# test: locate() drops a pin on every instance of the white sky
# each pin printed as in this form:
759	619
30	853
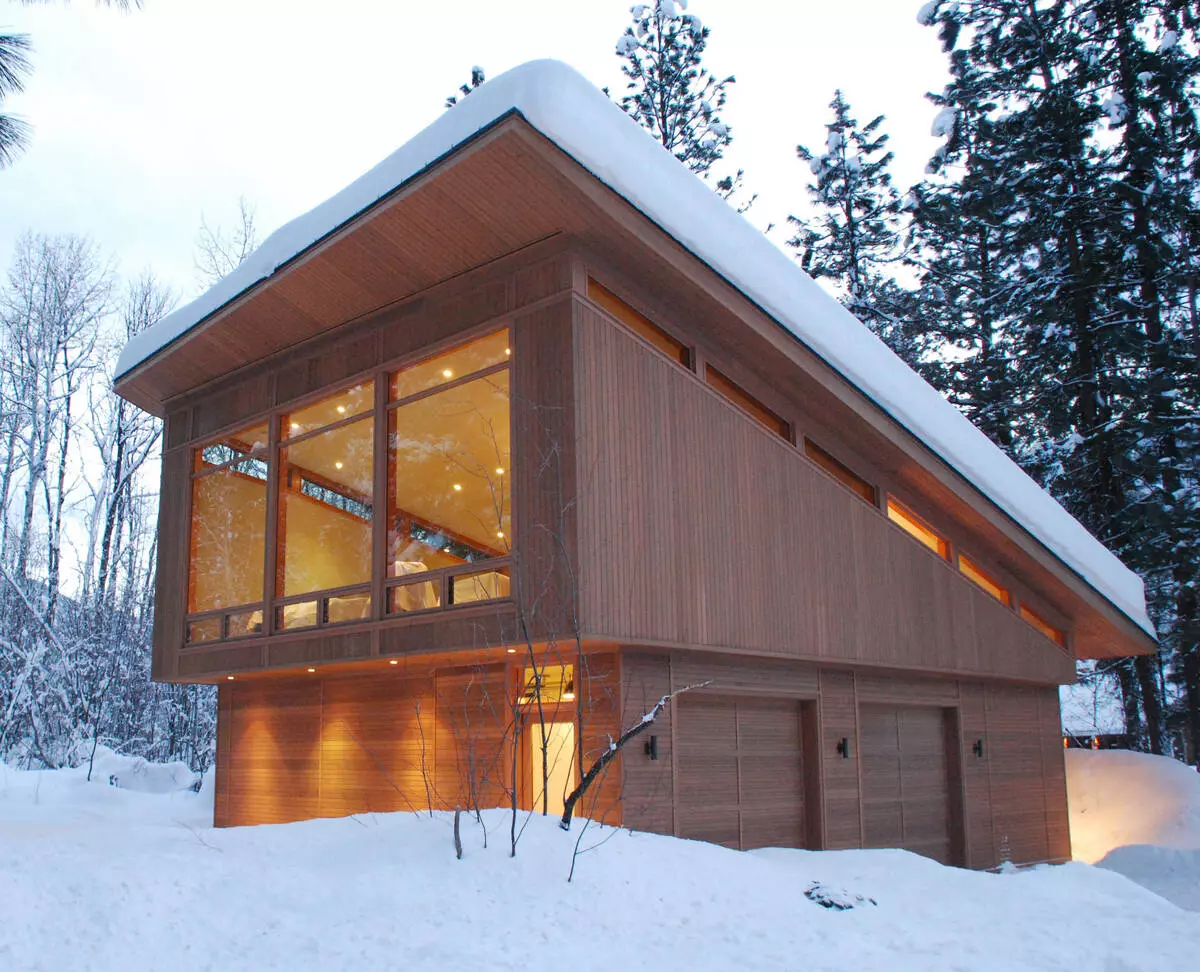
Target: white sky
143	122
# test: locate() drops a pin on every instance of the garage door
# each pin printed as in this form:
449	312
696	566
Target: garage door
740	774
906	792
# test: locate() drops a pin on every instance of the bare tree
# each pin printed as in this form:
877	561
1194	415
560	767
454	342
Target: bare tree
219	253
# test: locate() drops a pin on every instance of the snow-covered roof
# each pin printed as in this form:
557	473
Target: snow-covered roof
584	123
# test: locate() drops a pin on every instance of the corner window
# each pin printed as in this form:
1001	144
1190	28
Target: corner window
227	546
917	528
981	578
839	471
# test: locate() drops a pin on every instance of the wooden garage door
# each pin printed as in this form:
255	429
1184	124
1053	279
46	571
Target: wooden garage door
905	783
740	771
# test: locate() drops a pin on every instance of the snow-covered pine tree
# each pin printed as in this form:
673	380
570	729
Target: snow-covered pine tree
1087	151
854	237
670	92
477	79
14	66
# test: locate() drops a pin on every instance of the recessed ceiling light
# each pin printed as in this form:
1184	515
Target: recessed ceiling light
447	373
500	534
393	662
337	465
499	470
342	409
512	651
312	670
458	487
295	426
508	350
229	678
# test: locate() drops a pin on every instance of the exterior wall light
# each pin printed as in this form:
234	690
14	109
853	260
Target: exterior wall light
651	747
977	749
843	748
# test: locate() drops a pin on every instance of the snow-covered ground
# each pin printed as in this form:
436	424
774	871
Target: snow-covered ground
96	877
1138	815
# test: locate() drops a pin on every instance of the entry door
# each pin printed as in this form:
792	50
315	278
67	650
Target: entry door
905	780
559	757
740	779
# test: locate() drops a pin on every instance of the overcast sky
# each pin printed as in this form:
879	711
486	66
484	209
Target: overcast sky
145	121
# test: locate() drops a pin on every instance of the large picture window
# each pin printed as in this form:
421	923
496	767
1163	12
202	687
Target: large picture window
449	493
447	502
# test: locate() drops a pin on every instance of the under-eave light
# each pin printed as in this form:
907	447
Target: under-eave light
393	662
311	670
229	678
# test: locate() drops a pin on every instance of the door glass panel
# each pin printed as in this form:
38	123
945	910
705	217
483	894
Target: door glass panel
558	758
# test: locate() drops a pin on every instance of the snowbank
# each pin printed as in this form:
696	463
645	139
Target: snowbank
585	124
111	880
1116	798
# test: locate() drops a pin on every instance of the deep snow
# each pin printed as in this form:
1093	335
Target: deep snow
584	123
100	878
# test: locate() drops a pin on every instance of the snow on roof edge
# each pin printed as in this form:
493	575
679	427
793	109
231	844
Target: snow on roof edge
566	108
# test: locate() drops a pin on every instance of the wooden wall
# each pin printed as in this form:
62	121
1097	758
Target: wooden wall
697	527
1008	804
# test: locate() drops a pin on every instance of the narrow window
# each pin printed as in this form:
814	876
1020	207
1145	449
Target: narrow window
638	323
839	471
917	528
978	576
747	403
228	530
449	491
326	479
1044	626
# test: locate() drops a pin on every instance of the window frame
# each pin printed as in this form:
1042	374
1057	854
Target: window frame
377	588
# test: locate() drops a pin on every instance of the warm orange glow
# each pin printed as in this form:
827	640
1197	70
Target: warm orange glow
311	670
557	684
478	355
638	323
393	662
354	400
917	528
229	678
839	471
1044	626
747	403
980	578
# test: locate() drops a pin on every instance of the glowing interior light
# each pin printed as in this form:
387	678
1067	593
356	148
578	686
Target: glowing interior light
312	670
229	678
508	350
337	465
295	426
341	409
458	487
568	696
512	651
500	534
447	373
499	470
393	662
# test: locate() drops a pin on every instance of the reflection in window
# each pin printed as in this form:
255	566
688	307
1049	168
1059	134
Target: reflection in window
478	355
229	519
449	495
325	510
337	407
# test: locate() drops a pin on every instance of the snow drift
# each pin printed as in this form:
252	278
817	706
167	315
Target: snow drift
576	116
100	878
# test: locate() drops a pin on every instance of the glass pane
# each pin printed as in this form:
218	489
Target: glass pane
1044	626
204	629
839	471
244	623
342	405
452	365
348	607
232	446
486	585
637	322
449	496
325	510
977	575
421	596
302	615
915	527
557	682
229	520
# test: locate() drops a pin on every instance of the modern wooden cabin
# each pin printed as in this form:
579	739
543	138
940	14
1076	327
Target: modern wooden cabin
483	451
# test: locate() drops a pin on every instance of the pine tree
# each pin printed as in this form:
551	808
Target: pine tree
14	66
671	93
854	238
477	80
